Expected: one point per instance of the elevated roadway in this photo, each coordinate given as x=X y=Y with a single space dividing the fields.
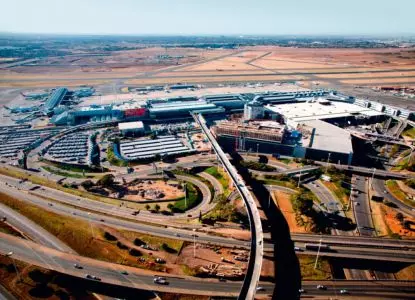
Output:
x=348 y=247
x=110 y=273
x=253 y=271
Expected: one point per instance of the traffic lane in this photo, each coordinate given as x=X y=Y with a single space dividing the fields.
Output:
x=107 y=208
x=142 y=279
x=186 y=235
x=361 y=207
x=162 y=231
x=108 y=272
x=34 y=231
x=380 y=188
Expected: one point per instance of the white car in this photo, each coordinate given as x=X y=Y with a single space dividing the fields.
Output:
x=344 y=292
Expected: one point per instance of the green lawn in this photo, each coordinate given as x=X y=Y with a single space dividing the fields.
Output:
x=193 y=198
x=221 y=176
x=322 y=272
x=395 y=190
x=63 y=173
x=409 y=133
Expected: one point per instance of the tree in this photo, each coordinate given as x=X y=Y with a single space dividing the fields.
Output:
x=106 y=180
x=399 y=217
x=87 y=184
x=147 y=207
x=263 y=159
x=157 y=207
x=170 y=207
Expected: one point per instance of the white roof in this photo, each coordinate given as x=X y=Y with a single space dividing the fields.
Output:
x=130 y=125
x=317 y=111
x=329 y=137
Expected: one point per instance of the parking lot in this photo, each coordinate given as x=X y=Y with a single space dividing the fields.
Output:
x=74 y=148
x=17 y=138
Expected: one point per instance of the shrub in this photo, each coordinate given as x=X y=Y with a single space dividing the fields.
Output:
x=121 y=246
x=135 y=252
x=87 y=184
x=390 y=204
x=167 y=248
x=109 y=237
x=138 y=242
x=106 y=180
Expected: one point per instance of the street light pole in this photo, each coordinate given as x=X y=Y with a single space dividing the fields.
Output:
x=185 y=194
x=194 y=243
x=328 y=161
x=10 y=254
x=269 y=200
x=257 y=150
x=90 y=224
x=350 y=199
x=299 y=178
x=318 y=254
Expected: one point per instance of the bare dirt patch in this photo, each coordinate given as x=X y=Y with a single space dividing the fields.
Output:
x=283 y=201
x=213 y=261
x=154 y=190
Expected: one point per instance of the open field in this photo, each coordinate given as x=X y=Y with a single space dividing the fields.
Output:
x=158 y=65
x=380 y=81
x=283 y=201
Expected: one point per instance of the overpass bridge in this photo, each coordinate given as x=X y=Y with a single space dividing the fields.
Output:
x=253 y=271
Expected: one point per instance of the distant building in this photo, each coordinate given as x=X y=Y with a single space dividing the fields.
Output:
x=55 y=99
x=131 y=128
x=253 y=110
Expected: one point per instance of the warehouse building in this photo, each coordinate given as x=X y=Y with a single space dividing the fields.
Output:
x=177 y=109
x=131 y=128
x=150 y=148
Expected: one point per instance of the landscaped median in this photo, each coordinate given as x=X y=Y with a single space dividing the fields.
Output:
x=396 y=191
x=222 y=177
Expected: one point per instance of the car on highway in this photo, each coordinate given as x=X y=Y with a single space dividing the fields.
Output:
x=301 y=291
x=124 y=272
x=77 y=266
x=344 y=292
x=160 y=280
x=260 y=288
x=321 y=287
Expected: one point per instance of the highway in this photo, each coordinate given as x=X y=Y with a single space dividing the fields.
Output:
x=253 y=271
x=361 y=208
x=110 y=273
x=379 y=187
x=351 y=247
x=368 y=171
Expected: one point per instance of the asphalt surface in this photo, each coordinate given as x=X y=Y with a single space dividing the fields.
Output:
x=379 y=187
x=111 y=273
x=187 y=235
x=361 y=208
x=367 y=171
x=253 y=271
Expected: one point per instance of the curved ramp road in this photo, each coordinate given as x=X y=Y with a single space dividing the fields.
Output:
x=351 y=247
x=257 y=247
x=110 y=273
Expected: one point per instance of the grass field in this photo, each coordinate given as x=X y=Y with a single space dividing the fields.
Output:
x=396 y=191
x=85 y=238
x=322 y=272
x=222 y=177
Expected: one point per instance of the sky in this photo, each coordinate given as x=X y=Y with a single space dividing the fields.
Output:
x=217 y=17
